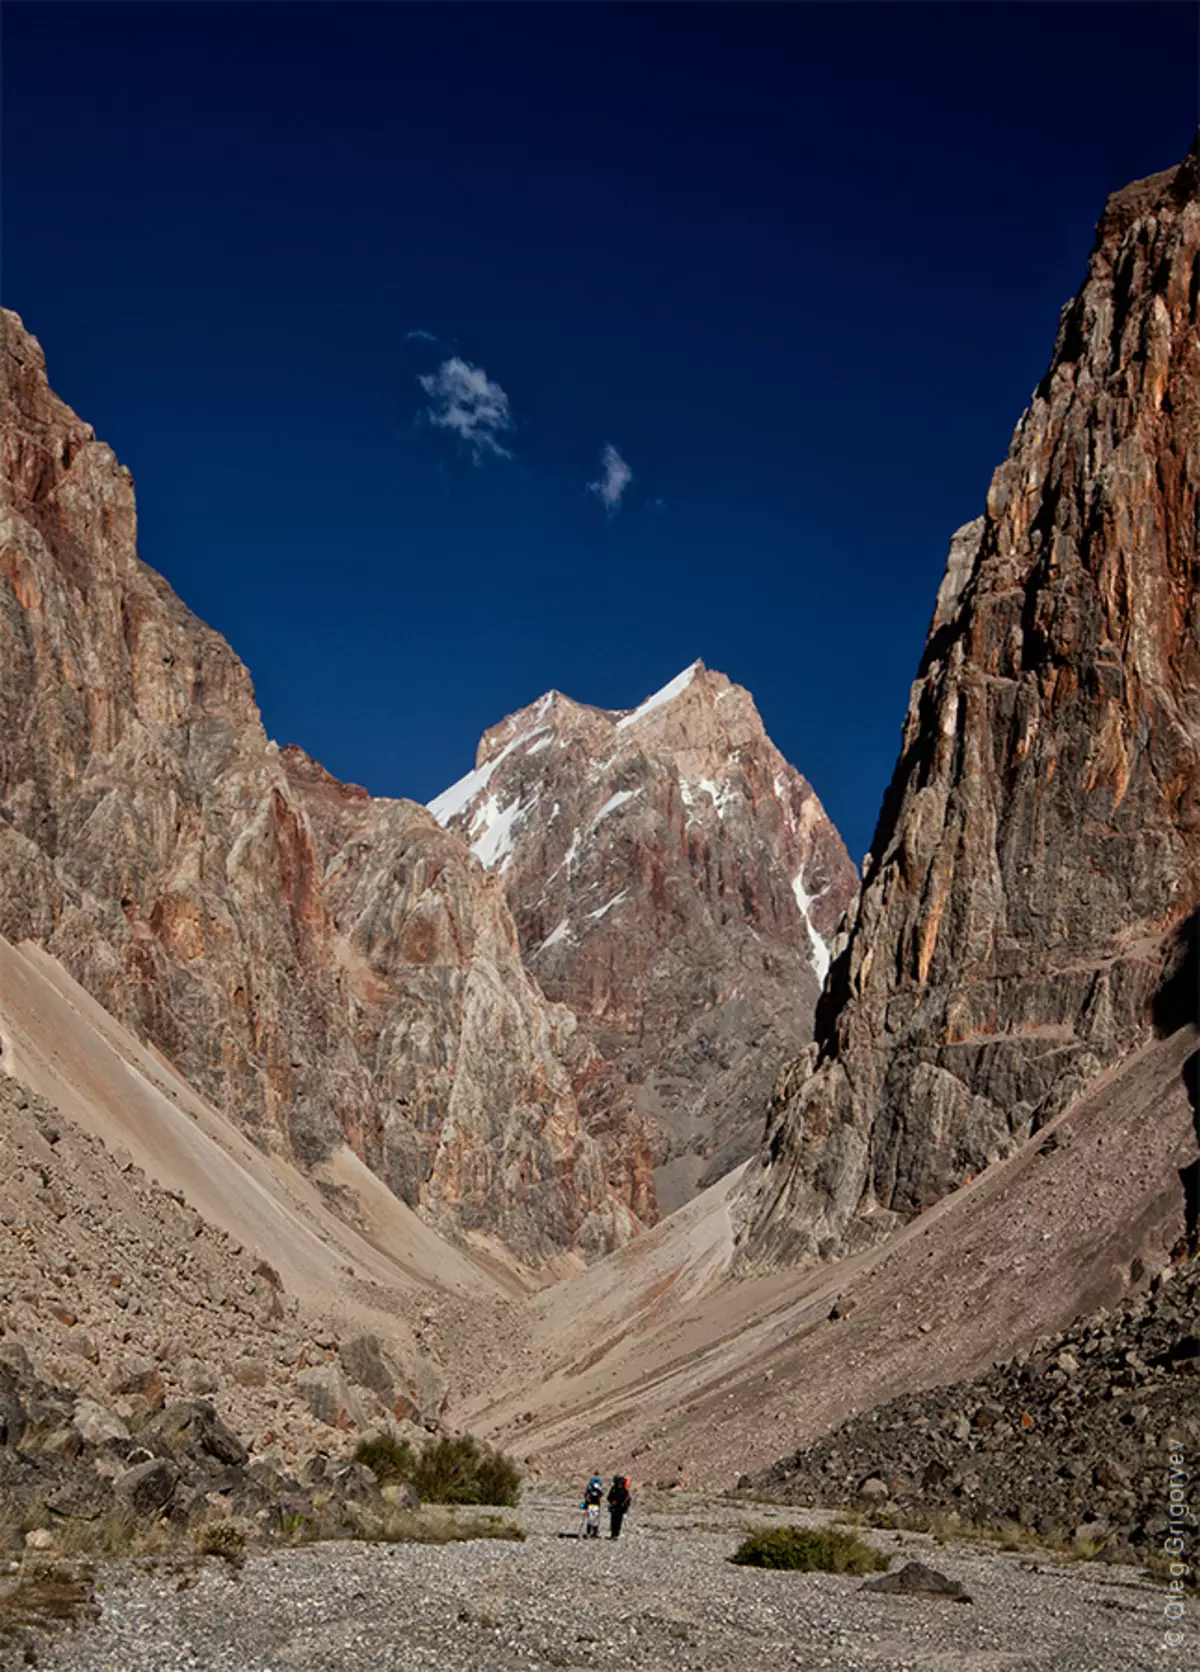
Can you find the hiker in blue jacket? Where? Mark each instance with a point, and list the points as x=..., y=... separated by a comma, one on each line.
x=593, y=1497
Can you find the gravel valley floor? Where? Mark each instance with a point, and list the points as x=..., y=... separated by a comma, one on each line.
x=664, y=1596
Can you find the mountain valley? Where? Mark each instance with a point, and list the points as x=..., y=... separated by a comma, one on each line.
x=599, y=1108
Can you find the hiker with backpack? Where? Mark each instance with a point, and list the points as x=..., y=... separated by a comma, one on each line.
x=618, y=1504
x=593, y=1496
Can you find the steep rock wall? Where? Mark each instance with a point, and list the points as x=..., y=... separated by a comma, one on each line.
x=1041, y=834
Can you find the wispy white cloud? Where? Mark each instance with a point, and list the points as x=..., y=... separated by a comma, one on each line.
x=615, y=476
x=465, y=400
x=419, y=336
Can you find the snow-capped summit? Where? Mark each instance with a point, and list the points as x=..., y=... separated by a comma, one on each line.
x=677, y=883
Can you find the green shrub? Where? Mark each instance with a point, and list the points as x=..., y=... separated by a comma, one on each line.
x=828, y=1550
x=450, y=1471
x=389, y=1460
x=497, y=1480
x=461, y=1471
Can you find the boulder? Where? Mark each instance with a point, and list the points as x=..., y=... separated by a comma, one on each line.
x=193, y=1428
x=96, y=1424
x=874, y=1488
x=147, y=1487
x=915, y=1579
x=330, y=1398
x=365, y=1362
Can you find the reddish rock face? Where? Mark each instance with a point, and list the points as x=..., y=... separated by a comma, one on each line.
x=324, y=966
x=1042, y=829
x=677, y=884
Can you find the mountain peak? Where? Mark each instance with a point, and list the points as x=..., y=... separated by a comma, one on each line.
x=677, y=883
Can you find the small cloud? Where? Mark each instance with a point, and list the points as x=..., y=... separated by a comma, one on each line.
x=463, y=399
x=419, y=336
x=615, y=476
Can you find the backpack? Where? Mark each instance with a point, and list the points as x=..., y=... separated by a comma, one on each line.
x=594, y=1493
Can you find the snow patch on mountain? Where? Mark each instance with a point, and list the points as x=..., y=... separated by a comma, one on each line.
x=603, y=910
x=460, y=795
x=721, y=795
x=613, y=802
x=820, y=946
x=492, y=830
x=669, y=692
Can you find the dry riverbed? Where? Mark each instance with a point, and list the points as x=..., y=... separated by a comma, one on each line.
x=665, y=1596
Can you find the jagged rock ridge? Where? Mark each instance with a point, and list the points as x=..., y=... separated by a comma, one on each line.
x=677, y=883
x=1042, y=829
x=321, y=965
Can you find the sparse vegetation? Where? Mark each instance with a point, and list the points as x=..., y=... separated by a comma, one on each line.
x=403, y=1526
x=805, y=1550
x=448, y=1472
x=116, y=1532
x=226, y=1538
x=944, y=1525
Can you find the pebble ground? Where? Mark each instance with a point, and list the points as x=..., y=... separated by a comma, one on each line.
x=663, y=1597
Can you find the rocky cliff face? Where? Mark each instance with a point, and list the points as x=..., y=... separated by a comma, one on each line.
x=677, y=884
x=1042, y=829
x=321, y=965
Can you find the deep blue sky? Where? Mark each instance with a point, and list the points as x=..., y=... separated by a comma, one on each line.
x=801, y=265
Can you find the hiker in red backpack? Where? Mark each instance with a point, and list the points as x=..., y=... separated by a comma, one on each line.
x=618, y=1503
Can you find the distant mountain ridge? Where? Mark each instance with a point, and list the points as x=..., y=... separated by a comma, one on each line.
x=677, y=883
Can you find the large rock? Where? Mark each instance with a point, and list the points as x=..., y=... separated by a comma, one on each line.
x=916, y=1579
x=96, y=1424
x=12, y=1411
x=148, y=1486
x=1041, y=834
x=330, y=1397
x=367, y=1362
x=192, y=1428
x=676, y=882
x=325, y=967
